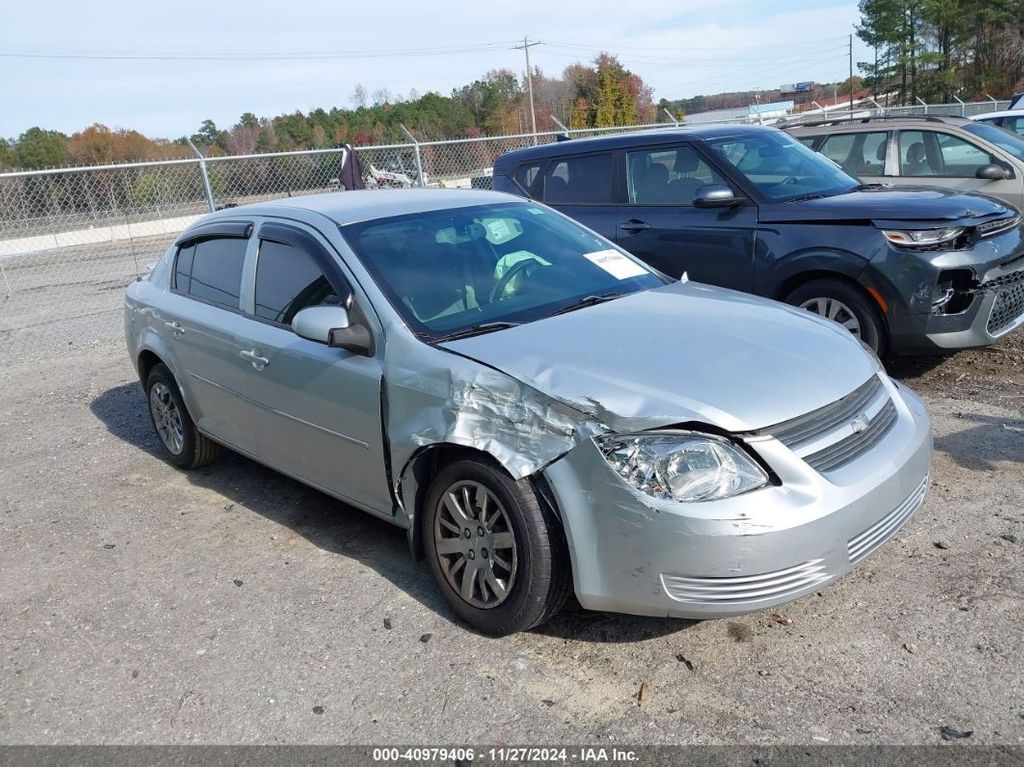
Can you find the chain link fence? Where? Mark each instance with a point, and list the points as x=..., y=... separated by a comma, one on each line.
x=71, y=239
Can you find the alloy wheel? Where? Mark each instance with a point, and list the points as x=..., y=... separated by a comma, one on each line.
x=475, y=544
x=835, y=310
x=166, y=418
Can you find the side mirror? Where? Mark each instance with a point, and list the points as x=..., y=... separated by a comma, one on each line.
x=715, y=196
x=331, y=325
x=992, y=172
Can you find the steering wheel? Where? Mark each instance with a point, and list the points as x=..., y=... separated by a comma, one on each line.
x=788, y=180
x=498, y=291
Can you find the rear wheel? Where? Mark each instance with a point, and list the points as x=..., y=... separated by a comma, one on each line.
x=183, y=445
x=845, y=304
x=497, y=555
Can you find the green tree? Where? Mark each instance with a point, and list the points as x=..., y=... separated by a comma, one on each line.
x=38, y=148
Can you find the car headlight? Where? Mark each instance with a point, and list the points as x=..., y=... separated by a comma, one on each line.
x=682, y=466
x=922, y=238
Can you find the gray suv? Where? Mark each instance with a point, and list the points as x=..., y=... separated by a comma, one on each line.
x=951, y=152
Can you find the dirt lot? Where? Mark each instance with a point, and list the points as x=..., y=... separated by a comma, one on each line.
x=143, y=604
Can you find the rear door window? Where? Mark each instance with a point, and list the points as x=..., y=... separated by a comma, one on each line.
x=585, y=180
x=859, y=154
x=216, y=273
x=288, y=279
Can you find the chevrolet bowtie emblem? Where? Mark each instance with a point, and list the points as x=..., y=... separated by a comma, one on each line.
x=860, y=423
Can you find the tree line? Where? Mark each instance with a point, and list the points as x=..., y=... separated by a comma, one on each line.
x=602, y=94
x=937, y=49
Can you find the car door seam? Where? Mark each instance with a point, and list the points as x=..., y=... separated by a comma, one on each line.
x=347, y=438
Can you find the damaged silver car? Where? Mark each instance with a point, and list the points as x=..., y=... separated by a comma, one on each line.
x=539, y=410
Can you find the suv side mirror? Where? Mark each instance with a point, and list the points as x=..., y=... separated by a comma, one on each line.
x=992, y=172
x=331, y=325
x=715, y=196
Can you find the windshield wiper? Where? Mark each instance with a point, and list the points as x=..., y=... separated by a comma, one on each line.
x=811, y=196
x=476, y=330
x=586, y=301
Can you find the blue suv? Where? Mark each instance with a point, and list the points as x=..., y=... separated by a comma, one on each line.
x=751, y=208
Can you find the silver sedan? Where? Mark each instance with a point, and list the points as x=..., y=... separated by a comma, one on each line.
x=539, y=410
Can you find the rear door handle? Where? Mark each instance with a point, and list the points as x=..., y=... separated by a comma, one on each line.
x=634, y=225
x=253, y=355
x=176, y=328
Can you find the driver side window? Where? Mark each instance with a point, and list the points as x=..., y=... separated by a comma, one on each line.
x=668, y=176
x=288, y=280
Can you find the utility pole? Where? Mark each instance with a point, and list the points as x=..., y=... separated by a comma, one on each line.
x=850, y=81
x=527, y=44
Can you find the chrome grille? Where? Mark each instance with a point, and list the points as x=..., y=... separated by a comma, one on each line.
x=861, y=545
x=833, y=436
x=846, y=450
x=990, y=228
x=746, y=588
x=1009, y=303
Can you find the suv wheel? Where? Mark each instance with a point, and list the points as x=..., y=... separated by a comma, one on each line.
x=845, y=304
x=183, y=445
x=497, y=555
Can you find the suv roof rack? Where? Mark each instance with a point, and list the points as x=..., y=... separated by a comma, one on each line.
x=874, y=118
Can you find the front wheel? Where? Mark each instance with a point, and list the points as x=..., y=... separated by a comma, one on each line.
x=498, y=556
x=845, y=304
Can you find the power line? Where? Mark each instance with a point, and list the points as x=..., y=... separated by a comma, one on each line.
x=298, y=56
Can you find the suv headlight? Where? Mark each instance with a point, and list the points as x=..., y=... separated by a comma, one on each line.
x=922, y=238
x=682, y=466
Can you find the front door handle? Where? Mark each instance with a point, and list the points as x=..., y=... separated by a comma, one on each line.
x=634, y=225
x=253, y=355
x=176, y=328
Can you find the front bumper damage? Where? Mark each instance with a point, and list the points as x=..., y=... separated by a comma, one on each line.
x=959, y=299
x=634, y=554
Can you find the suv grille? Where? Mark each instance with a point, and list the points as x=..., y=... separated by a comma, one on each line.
x=994, y=227
x=990, y=228
x=837, y=434
x=1009, y=303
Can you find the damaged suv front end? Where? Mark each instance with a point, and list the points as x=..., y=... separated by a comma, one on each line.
x=953, y=283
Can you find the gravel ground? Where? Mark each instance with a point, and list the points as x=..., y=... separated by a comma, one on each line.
x=142, y=604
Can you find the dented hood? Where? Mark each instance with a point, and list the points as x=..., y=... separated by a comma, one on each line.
x=684, y=352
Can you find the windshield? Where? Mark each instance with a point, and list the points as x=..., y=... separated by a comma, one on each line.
x=449, y=271
x=1001, y=137
x=781, y=168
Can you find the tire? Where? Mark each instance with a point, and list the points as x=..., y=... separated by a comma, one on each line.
x=522, y=548
x=181, y=441
x=856, y=310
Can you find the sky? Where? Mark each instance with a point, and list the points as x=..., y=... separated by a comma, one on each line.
x=220, y=58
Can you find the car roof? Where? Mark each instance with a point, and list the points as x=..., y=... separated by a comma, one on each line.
x=624, y=140
x=886, y=121
x=1004, y=113
x=365, y=205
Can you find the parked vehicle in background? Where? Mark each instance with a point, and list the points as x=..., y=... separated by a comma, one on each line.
x=535, y=406
x=1011, y=120
x=952, y=152
x=753, y=209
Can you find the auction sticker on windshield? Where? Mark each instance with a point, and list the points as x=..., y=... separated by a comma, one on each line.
x=616, y=264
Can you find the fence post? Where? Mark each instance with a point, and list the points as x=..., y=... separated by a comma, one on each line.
x=963, y=106
x=993, y=100
x=205, y=175
x=416, y=155
x=671, y=116
x=923, y=103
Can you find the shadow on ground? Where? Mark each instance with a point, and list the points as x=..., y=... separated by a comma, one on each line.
x=341, y=529
x=989, y=441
